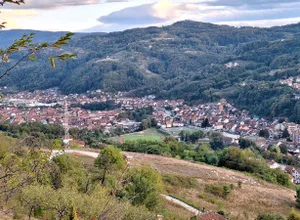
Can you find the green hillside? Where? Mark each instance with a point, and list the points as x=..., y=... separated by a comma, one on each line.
x=185, y=60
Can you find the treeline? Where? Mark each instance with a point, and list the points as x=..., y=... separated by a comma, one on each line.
x=230, y=157
x=138, y=114
x=50, y=131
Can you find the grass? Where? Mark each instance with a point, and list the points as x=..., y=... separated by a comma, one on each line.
x=185, y=200
x=242, y=203
x=141, y=137
x=180, y=181
x=151, y=134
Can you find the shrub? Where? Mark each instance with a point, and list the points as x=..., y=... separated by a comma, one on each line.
x=180, y=181
x=269, y=216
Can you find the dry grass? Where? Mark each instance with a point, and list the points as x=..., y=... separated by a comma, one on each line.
x=176, y=212
x=254, y=197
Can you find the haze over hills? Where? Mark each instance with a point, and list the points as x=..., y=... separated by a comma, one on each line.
x=199, y=62
x=8, y=36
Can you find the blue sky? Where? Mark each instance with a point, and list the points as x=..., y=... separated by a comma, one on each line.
x=116, y=15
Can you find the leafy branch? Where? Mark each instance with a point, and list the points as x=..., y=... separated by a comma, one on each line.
x=25, y=44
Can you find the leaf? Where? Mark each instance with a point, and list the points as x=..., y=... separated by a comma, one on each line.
x=32, y=58
x=52, y=62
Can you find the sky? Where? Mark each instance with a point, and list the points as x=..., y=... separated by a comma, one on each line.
x=117, y=15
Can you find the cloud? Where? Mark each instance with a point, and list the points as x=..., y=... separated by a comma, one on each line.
x=147, y=14
x=233, y=12
x=10, y=16
x=50, y=4
x=248, y=3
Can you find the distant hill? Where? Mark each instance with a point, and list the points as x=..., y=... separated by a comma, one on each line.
x=8, y=36
x=196, y=61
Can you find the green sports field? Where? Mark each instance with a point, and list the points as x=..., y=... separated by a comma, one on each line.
x=127, y=138
x=147, y=135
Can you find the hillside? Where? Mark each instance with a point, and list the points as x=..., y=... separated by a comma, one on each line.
x=198, y=62
x=8, y=36
x=188, y=181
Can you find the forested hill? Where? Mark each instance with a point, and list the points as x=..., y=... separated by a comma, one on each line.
x=8, y=36
x=196, y=61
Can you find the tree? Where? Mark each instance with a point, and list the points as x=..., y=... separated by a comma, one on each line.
x=245, y=143
x=110, y=159
x=226, y=191
x=34, y=197
x=298, y=196
x=264, y=133
x=143, y=187
x=283, y=148
x=285, y=133
x=205, y=123
x=216, y=141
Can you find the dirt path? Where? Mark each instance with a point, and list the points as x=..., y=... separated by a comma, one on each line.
x=182, y=204
x=95, y=155
x=81, y=152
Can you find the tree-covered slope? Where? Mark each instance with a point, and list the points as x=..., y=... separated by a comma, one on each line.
x=185, y=60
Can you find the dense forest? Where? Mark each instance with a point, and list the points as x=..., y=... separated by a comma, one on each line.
x=198, y=62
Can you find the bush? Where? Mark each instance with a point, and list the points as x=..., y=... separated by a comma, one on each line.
x=180, y=181
x=220, y=191
x=269, y=216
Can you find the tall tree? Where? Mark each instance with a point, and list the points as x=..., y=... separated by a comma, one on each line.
x=143, y=187
x=110, y=159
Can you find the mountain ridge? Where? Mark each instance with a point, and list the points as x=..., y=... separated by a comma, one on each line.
x=187, y=60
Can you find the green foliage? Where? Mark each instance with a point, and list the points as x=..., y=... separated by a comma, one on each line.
x=246, y=160
x=101, y=106
x=205, y=123
x=285, y=133
x=240, y=184
x=51, y=131
x=180, y=181
x=283, y=148
x=181, y=68
x=148, y=123
x=244, y=144
x=220, y=191
x=138, y=115
x=264, y=133
x=298, y=196
x=192, y=137
x=28, y=51
x=216, y=141
x=109, y=160
x=269, y=216
x=294, y=215
x=143, y=187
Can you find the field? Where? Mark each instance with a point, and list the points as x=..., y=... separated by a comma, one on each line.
x=254, y=197
x=151, y=134
x=189, y=181
x=141, y=137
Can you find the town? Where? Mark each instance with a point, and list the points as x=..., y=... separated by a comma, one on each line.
x=51, y=106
